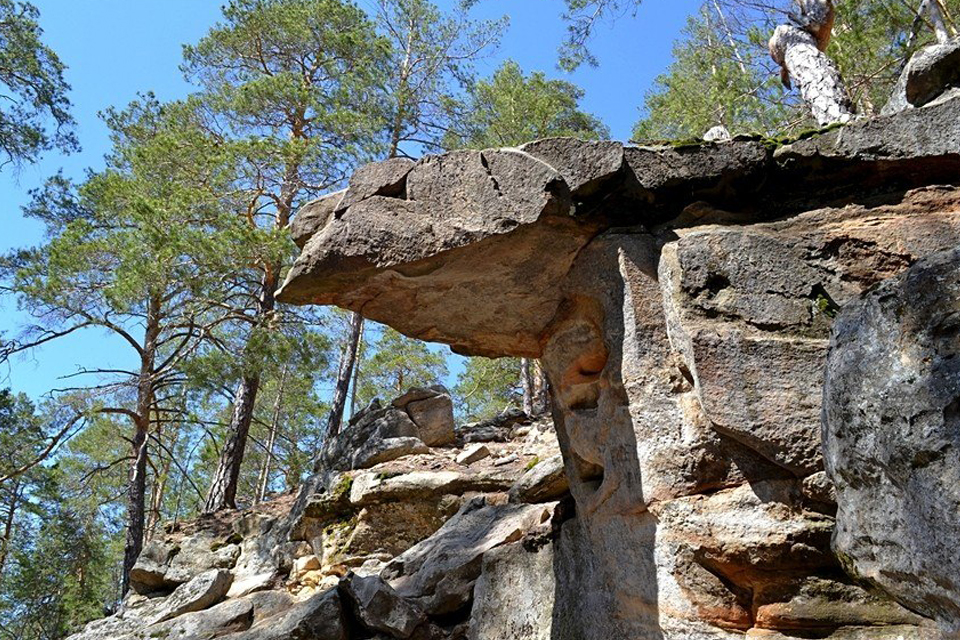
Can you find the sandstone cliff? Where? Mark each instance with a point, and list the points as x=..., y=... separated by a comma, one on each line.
x=682, y=300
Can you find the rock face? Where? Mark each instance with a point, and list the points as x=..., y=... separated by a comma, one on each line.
x=891, y=436
x=681, y=300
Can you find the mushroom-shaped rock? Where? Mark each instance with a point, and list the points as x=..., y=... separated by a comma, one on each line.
x=684, y=353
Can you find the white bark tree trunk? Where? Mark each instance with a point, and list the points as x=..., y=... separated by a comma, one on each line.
x=814, y=73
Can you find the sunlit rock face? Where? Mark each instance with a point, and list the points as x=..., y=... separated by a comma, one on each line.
x=681, y=299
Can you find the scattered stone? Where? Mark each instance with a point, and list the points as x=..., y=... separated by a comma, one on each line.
x=544, y=482
x=473, y=453
x=505, y=460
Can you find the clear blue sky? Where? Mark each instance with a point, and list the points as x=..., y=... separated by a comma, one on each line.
x=116, y=48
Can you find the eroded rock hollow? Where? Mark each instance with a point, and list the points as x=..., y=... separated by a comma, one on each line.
x=681, y=299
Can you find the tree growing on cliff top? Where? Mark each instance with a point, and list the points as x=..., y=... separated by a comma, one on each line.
x=722, y=72
x=35, y=111
x=291, y=89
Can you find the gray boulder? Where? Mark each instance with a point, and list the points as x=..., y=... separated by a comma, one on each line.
x=891, y=437
x=378, y=607
x=431, y=409
x=930, y=72
x=376, y=434
x=202, y=592
x=514, y=596
x=320, y=617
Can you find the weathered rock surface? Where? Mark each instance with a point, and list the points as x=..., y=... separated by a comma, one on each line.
x=440, y=572
x=931, y=72
x=681, y=305
x=515, y=594
x=891, y=436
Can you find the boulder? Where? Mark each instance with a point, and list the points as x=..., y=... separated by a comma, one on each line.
x=514, y=595
x=431, y=409
x=891, y=436
x=499, y=428
x=378, y=607
x=439, y=573
x=375, y=435
x=544, y=482
x=319, y=617
x=203, y=591
x=165, y=564
x=930, y=72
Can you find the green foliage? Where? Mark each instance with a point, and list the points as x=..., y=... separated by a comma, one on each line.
x=722, y=72
x=582, y=17
x=57, y=553
x=713, y=80
x=396, y=364
x=512, y=108
x=486, y=387
x=431, y=59
x=35, y=112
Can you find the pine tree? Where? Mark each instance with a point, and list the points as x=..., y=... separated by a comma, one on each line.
x=35, y=112
x=292, y=89
x=134, y=251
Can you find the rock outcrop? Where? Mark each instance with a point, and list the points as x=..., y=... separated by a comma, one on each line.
x=681, y=300
x=388, y=549
x=891, y=437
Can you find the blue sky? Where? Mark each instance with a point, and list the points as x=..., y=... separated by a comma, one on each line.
x=116, y=48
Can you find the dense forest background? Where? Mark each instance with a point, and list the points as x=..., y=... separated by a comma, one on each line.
x=178, y=245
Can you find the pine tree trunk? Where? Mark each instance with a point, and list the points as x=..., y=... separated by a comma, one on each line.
x=817, y=77
x=357, y=369
x=137, y=479
x=223, y=489
x=264, y=480
x=156, y=498
x=527, y=384
x=8, y=520
x=541, y=390
x=344, y=374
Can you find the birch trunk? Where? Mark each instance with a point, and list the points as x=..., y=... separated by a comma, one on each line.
x=814, y=73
